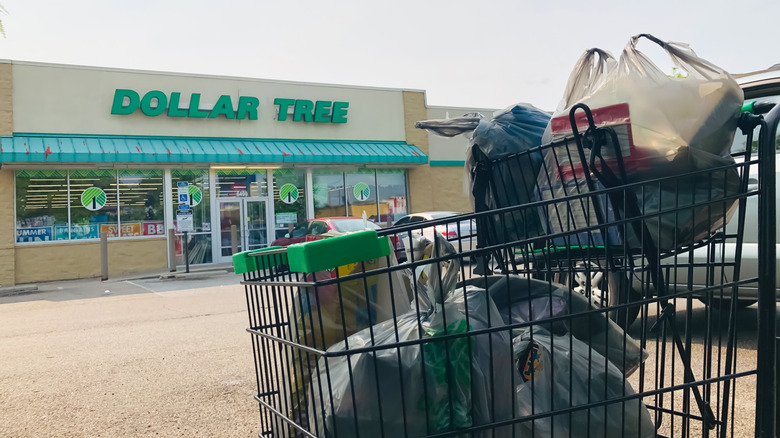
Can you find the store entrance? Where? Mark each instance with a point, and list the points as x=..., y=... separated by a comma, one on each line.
x=250, y=219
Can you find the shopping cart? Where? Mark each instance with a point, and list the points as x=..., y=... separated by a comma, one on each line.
x=518, y=337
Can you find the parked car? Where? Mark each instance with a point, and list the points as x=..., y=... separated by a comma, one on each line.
x=462, y=234
x=382, y=220
x=314, y=227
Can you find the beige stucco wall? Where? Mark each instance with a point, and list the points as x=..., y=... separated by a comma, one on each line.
x=435, y=187
x=47, y=94
x=64, y=261
x=420, y=177
x=451, y=148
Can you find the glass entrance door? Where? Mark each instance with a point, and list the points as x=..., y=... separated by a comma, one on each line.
x=248, y=215
x=256, y=227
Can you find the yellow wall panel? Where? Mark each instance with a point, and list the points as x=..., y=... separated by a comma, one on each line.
x=67, y=261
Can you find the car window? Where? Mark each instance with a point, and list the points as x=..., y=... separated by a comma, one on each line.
x=299, y=230
x=416, y=219
x=403, y=221
x=350, y=225
x=318, y=227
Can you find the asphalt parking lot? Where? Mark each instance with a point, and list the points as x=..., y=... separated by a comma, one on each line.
x=127, y=358
x=172, y=358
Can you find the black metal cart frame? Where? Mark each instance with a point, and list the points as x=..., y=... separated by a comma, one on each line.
x=325, y=348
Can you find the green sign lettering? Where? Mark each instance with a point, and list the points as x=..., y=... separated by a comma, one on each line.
x=119, y=106
x=146, y=103
x=284, y=107
x=194, y=104
x=303, y=111
x=156, y=102
x=247, y=107
x=173, y=106
x=340, y=112
x=223, y=107
x=322, y=111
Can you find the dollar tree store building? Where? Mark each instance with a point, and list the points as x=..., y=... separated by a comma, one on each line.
x=87, y=150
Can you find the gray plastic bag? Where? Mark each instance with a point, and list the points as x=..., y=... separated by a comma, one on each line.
x=409, y=389
x=561, y=372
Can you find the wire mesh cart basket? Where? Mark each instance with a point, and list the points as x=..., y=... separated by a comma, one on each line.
x=591, y=305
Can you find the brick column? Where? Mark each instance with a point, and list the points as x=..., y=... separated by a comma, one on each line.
x=7, y=221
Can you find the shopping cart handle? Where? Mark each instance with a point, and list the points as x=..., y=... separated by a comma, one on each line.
x=319, y=255
x=244, y=262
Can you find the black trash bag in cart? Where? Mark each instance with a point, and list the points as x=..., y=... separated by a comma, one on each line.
x=514, y=131
x=423, y=388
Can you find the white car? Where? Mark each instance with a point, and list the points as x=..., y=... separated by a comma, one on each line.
x=461, y=233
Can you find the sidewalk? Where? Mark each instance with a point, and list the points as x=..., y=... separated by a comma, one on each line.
x=196, y=273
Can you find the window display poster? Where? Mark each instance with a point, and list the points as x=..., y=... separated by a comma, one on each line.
x=153, y=228
x=34, y=234
x=128, y=230
x=77, y=232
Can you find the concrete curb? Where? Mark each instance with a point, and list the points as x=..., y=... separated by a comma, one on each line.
x=193, y=275
x=9, y=291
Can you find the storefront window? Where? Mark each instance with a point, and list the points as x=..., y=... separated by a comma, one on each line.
x=199, y=245
x=361, y=193
x=41, y=205
x=241, y=182
x=289, y=199
x=93, y=203
x=141, y=210
x=328, y=193
x=391, y=192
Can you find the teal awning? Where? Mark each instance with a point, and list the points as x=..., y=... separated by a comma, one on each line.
x=98, y=149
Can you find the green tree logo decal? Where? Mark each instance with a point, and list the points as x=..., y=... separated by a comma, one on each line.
x=93, y=199
x=361, y=191
x=288, y=193
x=195, y=195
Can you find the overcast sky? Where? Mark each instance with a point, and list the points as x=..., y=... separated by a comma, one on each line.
x=462, y=53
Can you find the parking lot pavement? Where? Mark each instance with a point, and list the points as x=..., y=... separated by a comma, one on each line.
x=127, y=358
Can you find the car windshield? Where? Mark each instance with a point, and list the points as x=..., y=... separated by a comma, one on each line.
x=349, y=225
